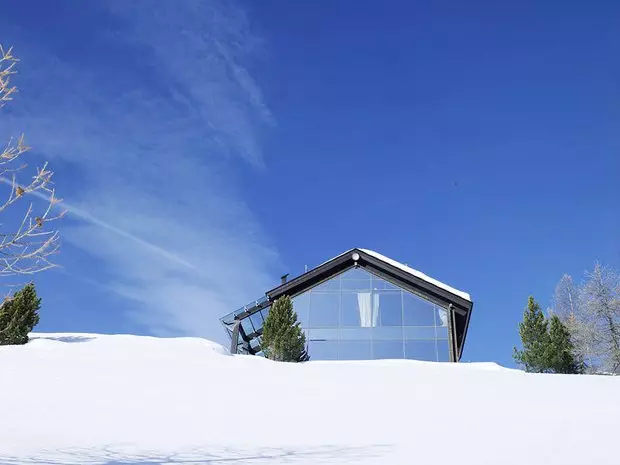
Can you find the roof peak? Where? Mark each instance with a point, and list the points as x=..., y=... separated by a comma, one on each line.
x=403, y=267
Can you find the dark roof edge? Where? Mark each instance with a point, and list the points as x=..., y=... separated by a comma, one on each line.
x=462, y=345
x=345, y=260
x=312, y=277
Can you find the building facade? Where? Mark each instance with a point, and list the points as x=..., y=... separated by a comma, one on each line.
x=362, y=305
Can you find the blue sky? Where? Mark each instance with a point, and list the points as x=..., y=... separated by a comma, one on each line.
x=206, y=148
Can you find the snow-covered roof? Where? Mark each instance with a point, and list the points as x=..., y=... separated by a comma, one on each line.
x=406, y=269
x=417, y=274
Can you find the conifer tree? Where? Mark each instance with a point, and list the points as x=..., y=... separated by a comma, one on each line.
x=561, y=356
x=534, y=338
x=19, y=315
x=283, y=339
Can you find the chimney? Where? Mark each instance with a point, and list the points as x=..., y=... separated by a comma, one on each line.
x=283, y=278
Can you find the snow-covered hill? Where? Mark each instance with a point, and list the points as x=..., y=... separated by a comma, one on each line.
x=86, y=399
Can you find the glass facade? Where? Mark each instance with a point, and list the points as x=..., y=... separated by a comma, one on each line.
x=359, y=316
x=356, y=316
x=251, y=326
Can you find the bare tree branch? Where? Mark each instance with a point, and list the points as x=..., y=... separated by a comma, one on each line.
x=591, y=312
x=7, y=68
x=28, y=247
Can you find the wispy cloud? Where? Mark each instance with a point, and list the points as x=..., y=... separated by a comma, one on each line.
x=148, y=129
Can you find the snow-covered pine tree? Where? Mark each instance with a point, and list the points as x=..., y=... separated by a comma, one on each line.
x=283, y=339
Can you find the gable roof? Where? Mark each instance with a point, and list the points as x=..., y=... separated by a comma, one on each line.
x=398, y=273
x=387, y=261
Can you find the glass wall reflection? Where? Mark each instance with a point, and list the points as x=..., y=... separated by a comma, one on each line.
x=359, y=316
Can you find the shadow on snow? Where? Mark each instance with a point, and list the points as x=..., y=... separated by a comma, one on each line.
x=65, y=338
x=283, y=455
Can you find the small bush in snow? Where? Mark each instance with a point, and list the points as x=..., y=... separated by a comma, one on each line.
x=19, y=315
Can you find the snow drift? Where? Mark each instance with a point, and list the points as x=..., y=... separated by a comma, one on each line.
x=94, y=399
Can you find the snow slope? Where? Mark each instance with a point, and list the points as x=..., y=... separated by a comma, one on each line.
x=86, y=399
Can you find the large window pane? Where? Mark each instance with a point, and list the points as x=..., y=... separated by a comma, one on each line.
x=301, y=305
x=356, y=273
x=331, y=285
x=368, y=304
x=443, y=351
x=356, y=284
x=324, y=309
x=390, y=304
x=323, y=350
x=323, y=334
x=419, y=332
x=350, y=309
x=417, y=311
x=382, y=284
x=356, y=334
x=388, y=333
x=356, y=279
x=388, y=350
x=354, y=350
x=360, y=309
x=442, y=332
x=441, y=316
x=246, y=324
x=257, y=321
x=421, y=350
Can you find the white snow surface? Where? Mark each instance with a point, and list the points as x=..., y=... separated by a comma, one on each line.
x=417, y=274
x=123, y=399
